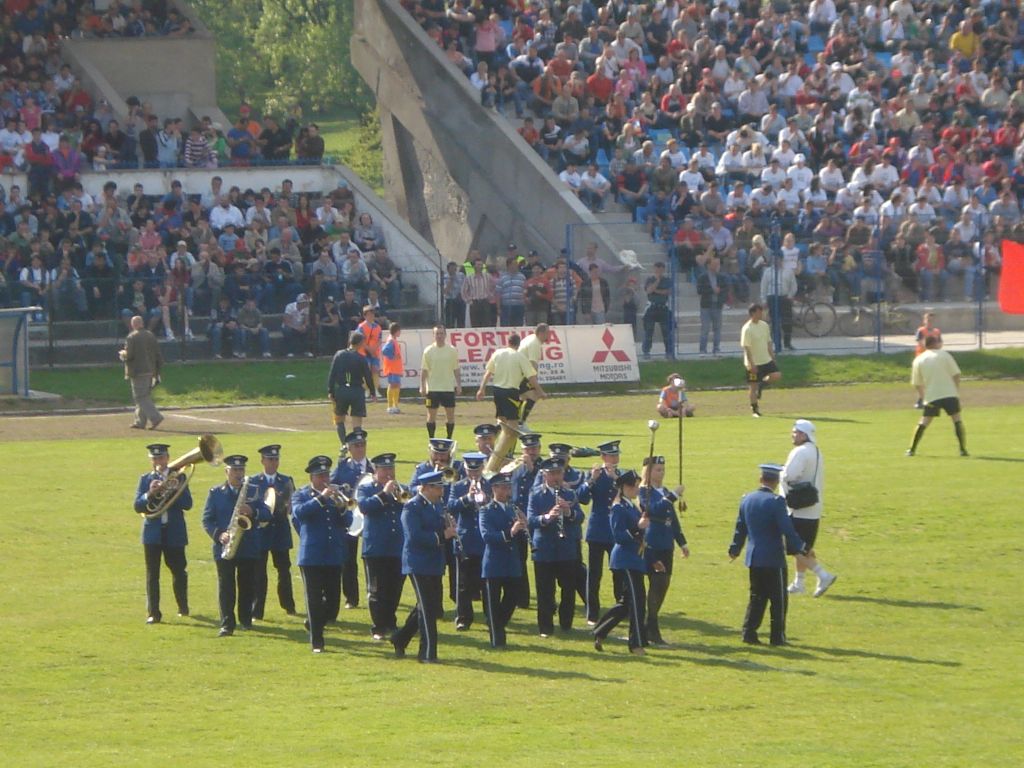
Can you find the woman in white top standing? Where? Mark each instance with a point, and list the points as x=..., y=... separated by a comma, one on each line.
x=805, y=465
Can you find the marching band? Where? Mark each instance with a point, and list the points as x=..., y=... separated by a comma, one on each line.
x=481, y=527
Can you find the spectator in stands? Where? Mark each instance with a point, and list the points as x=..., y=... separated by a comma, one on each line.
x=355, y=274
x=511, y=295
x=295, y=325
x=385, y=277
x=274, y=141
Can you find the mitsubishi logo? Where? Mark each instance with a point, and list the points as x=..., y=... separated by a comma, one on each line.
x=608, y=338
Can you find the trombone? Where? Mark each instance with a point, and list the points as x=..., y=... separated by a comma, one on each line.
x=336, y=494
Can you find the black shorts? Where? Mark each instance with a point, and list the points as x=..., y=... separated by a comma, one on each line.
x=761, y=371
x=353, y=402
x=951, y=405
x=507, y=404
x=440, y=400
x=808, y=529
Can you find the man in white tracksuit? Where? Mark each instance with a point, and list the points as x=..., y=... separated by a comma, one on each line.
x=805, y=464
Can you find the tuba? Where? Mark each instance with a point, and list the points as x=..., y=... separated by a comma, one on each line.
x=209, y=450
x=239, y=524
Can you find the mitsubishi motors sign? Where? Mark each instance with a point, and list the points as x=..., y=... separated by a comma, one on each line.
x=573, y=354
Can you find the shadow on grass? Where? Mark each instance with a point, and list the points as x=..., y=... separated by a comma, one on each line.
x=684, y=623
x=895, y=603
x=549, y=674
x=998, y=458
x=858, y=654
x=824, y=419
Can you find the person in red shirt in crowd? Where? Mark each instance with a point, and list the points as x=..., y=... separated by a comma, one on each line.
x=600, y=87
x=994, y=168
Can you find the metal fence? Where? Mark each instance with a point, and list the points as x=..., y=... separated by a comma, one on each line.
x=84, y=320
x=860, y=305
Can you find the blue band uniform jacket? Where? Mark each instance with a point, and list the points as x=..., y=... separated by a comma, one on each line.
x=599, y=526
x=173, y=526
x=425, y=466
x=382, y=520
x=764, y=520
x=322, y=526
x=350, y=472
x=277, y=535
x=423, y=526
x=220, y=504
x=625, y=528
x=465, y=512
x=665, y=528
x=547, y=545
x=501, y=554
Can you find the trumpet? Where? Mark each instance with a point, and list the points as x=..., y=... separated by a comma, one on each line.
x=337, y=495
x=447, y=471
x=402, y=495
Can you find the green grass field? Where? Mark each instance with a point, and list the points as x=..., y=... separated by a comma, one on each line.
x=913, y=659
x=280, y=381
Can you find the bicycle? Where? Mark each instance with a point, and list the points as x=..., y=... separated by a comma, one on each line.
x=817, y=318
x=861, y=320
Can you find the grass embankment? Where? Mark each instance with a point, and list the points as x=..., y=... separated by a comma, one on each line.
x=280, y=381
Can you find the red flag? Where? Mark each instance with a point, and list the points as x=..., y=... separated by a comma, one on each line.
x=1011, y=280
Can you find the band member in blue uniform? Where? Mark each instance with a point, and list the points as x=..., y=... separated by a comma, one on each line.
x=628, y=526
x=484, y=436
x=763, y=519
x=599, y=528
x=665, y=530
x=275, y=538
x=321, y=520
x=236, y=577
x=164, y=536
x=441, y=457
x=501, y=526
x=464, y=502
x=349, y=472
x=523, y=477
x=576, y=481
x=555, y=519
x=426, y=527
x=380, y=501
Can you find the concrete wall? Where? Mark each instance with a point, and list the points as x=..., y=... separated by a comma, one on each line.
x=176, y=75
x=457, y=172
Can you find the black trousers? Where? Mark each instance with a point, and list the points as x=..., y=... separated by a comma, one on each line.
x=657, y=590
x=767, y=585
x=500, y=598
x=350, y=573
x=480, y=313
x=523, y=543
x=423, y=617
x=632, y=605
x=174, y=557
x=282, y=564
x=230, y=573
x=596, y=553
x=384, y=582
x=323, y=588
x=545, y=576
x=450, y=568
x=467, y=588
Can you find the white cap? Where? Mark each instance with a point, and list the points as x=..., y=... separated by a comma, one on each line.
x=805, y=426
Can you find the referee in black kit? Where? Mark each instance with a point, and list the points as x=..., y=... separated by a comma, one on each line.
x=506, y=370
x=350, y=372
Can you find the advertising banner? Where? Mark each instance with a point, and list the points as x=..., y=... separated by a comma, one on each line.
x=573, y=354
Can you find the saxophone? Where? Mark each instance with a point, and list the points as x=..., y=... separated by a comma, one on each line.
x=239, y=523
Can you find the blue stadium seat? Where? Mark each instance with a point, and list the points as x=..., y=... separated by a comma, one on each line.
x=885, y=57
x=815, y=43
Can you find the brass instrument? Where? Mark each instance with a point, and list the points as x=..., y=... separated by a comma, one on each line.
x=512, y=466
x=337, y=495
x=240, y=523
x=270, y=499
x=448, y=471
x=402, y=495
x=358, y=521
x=520, y=518
x=160, y=500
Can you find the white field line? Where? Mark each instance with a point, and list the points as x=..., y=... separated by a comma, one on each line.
x=254, y=424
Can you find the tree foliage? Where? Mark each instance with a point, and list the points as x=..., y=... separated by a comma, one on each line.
x=276, y=53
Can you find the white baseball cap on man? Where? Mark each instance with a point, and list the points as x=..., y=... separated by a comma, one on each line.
x=805, y=426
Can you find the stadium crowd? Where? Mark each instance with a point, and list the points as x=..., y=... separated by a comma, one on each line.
x=864, y=147
x=228, y=253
